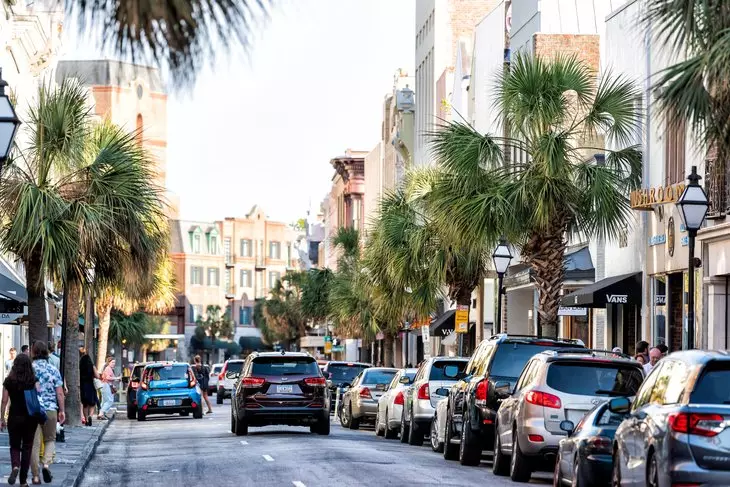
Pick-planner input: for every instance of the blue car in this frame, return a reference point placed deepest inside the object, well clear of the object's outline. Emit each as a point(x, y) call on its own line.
point(168, 388)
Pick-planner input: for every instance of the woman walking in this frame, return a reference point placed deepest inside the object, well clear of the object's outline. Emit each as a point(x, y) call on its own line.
point(107, 394)
point(21, 425)
point(89, 398)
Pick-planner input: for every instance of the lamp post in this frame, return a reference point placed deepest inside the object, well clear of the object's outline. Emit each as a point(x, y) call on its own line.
point(693, 205)
point(9, 123)
point(501, 259)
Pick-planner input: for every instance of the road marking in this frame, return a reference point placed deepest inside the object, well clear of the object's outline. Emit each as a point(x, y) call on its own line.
point(298, 483)
point(244, 442)
point(268, 458)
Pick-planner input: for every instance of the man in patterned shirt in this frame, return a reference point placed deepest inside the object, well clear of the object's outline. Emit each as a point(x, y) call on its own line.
point(52, 397)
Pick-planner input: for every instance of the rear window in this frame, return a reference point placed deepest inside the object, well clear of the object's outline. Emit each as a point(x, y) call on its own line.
point(284, 366)
point(217, 369)
point(137, 372)
point(378, 376)
point(712, 386)
point(593, 379)
point(510, 358)
point(447, 370)
point(169, 372)
point(234, 367)
point(343, 372)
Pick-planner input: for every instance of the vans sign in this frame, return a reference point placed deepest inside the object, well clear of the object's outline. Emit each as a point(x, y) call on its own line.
point(617, 298)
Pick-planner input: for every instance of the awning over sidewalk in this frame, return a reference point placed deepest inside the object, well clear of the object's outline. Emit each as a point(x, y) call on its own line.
point(443, 325)
point(623, 289)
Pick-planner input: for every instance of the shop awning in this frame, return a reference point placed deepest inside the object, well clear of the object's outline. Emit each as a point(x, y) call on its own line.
point(623, 289)
point(443, 325)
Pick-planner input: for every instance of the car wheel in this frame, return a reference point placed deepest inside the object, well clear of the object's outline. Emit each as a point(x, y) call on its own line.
point(470, 451)
point(241, 427)
point(344, 420)
point(652, 473)
point(519, 470)
point(197, 412)
point(390, 434)
point(219, 398)
point(415, 433)
point(184, 413)
point(558, 475)
point(378, 430)
point(451, 451)
point(436, 445)
point(403, 426)
point(131, 412)
point(354, 423)
point(616, 471)
point(578, 480)
point(233, 423)
point(500, 464)
point(141, 416)
point(322, 427)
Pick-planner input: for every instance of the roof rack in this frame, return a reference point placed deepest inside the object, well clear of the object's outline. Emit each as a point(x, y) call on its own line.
point(587, 351)
point(507, 336)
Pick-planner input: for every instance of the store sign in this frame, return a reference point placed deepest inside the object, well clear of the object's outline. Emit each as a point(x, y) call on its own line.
point(657, 240)
point(9, 317)
point(567, 311)
point(461, 319)
point(327, 344)
point(660, 300)
point(684, 241)
point(617, 298)
point(646, 199)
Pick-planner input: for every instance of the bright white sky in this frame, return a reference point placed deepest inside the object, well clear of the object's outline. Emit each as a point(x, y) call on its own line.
point(261, 130)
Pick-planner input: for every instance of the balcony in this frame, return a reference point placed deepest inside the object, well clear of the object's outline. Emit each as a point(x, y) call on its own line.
point(260, 262)
point(716, 179)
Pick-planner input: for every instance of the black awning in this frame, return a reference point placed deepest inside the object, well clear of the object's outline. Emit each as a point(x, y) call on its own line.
point(623, 289)
point(443, 325)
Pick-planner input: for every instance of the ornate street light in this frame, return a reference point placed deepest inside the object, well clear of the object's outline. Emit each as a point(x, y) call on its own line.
point(693, 206)
point(501, 259)
point(9, 123)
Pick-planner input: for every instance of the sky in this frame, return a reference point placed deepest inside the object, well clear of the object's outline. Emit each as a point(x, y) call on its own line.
point(261, 128)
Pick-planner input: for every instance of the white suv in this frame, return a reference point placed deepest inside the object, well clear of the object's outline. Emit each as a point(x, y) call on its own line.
point(227, 378)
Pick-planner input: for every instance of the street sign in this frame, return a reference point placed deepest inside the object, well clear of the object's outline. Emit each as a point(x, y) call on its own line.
point(425, 330)
point(461, 319)
point(327, 344)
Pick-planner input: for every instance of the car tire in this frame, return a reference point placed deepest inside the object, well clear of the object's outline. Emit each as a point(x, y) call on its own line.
point(390, 433)
point(184, 413)
point(519, 469)
point(436, 445)
point(415, 433)
point(241, 427)
point(322, 427)
point(403, 427)
point(652, 471)
point(500, 464)
point(354, 422)
point(141, 416)
point(578, 477)
point(219, 398)
point(378, 430)
point(233, 423)
point(451, 451)
point(198, 412)
point(470, 450)
point(558, 475)
point(616, 470)
point(131, 412)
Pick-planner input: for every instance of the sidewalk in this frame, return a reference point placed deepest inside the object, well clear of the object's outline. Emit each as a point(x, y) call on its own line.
point(71, 456)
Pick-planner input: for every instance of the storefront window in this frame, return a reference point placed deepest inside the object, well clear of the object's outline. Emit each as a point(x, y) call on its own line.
point(659, 302)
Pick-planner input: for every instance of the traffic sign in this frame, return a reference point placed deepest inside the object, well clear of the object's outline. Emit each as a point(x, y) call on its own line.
point(327, 344)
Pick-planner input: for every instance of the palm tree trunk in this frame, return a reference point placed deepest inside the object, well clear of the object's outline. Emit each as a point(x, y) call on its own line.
point(89, 320)
point(35, 285)
point(71, 355)
point(388, 354)
point(104, 312)
point(545, 255)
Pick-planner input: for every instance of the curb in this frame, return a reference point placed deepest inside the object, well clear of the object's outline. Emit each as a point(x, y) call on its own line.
point(74, 476)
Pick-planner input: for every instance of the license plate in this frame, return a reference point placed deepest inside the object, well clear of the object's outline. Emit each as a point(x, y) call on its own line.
point(380, 387)
point(169, 402)
point(287, 389)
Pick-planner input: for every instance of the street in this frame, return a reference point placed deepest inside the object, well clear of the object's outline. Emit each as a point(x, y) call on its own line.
point(179, 451)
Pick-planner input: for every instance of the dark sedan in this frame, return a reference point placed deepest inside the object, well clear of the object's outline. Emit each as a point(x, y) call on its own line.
point(584, 457)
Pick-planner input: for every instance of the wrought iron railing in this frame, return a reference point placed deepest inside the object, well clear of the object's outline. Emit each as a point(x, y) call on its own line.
point(716, 179)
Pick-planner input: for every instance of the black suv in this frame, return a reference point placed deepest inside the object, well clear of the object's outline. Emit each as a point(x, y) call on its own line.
point(341, 374)
point(473, 402)
point(280, 388)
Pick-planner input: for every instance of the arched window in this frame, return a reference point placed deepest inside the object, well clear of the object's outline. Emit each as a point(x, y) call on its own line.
point(139, 129)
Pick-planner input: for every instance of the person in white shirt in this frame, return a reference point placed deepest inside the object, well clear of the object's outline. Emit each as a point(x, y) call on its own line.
point(9, 362)
point(654, 356)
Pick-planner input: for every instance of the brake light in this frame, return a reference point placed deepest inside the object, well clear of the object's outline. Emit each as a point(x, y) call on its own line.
point(599, 444)
point(700, 424)
point(543, 343)
point(315, 381)
point(540, 398)
point(365, 393)
point(423, 392)
point(480, 394)
point(194, 404)
point(399, 398)
point(535, 438)
point(252, 382)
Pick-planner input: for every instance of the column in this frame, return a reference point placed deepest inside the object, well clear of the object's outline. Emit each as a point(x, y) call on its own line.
point(717, 321)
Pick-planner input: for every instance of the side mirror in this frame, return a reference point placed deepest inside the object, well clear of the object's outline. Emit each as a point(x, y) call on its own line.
point(567, 426)
point(502, 389)
point(329, 383)
point(233, 375)
point(619, 405)
point(442, 391)
point(405, 380)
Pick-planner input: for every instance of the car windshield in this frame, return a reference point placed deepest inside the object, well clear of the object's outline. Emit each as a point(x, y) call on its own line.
point(216, 369)
point(378, 376)
point(343, 372)
point(234, 367)
point(510, 358)
point(447, 370)
point(711, 388)
point(284, 366)
point(169, 372)
point(588, 378)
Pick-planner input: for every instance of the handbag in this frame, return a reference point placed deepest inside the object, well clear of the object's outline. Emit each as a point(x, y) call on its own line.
point(97, 384)
point(34, 405)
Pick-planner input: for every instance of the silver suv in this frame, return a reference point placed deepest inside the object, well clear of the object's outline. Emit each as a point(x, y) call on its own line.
point(431, 384)
point(555, 385)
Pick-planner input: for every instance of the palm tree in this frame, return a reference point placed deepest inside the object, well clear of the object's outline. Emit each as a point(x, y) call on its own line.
point(558, 117)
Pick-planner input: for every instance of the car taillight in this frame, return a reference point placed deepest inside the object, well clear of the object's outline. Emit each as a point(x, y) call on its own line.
point(143, 385)
point(315, 381)
point(599, 444)
point(220, 376)
point(365, 393)
point(480, 394)
point(251, 382)
point(399, 398)
point(701, 424)
point(423, 392)
point(540, 398)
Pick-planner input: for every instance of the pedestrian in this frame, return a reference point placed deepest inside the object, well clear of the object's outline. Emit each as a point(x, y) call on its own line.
point(663, 348)
point(52, 398)
point(641, 359)
point(202, 374)
point(107, 389)
point(642, 348)
point(20, 424)
point(9, 362)
point(617, 351)
point(53, 359)
point(24, 349)
point(89, 397)
point(654, 356)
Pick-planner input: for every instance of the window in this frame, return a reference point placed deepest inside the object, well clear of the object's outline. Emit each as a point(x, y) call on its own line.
point(169, 372)
point(227, 282)
point(510, 358)
point(196, 275)
point(343, 373)
point(244, 315)
point(213, 244)
point(678, 376)
point(592, 379)
point(711, 387)
point(378, 376)
point(246, 247)
point(196, 243)
point(447, 370)
point(213, 276)
point(282, 366)
point(196, 312)
point(644, 393)
point(674, 149)
point(527, 374)
point(245, 278)
point(274, 250)
point(273, 278)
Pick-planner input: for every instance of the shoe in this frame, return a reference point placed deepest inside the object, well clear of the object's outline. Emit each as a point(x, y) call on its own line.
point(13, 475)
point(47, 476)
point(35, 481)
point(88, 421)
point(209, 412)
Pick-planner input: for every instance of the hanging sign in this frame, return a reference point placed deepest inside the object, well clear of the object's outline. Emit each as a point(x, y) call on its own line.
point(647, 198)
point(461, 319)
point(425, 333)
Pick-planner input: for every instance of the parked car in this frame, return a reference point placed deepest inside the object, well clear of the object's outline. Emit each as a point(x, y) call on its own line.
point(227, 377)
point(215, 370)
point(677, 431)
point(132, 387)
point(280, 388)
point(584, 456)
point(360, 400)
point(341, 374)
point(435, 375)
point(390, 404)
point(438, 426)
point(555, 385)
point(168, 388)
point(473, 401)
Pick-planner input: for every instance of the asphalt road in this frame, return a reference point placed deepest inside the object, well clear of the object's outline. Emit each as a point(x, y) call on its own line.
point(182, 451)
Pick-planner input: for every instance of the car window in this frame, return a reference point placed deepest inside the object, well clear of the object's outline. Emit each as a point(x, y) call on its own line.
point(589, 378)
point(471, 365)
point(678, 373)
point(234, 367)
point(643, 395)
point(447, 370)
point(712, 385)
point(284, 366)
point(510, 358)
point(607, 418)
point(169, 372)
point(662, 382)
point(341, 373)
point(483, 365)
point(526, 375)
point(378, 376)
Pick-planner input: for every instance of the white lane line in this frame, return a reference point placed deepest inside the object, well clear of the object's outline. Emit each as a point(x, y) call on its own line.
point(268, 458)
point(243, 442)
point(298, 483)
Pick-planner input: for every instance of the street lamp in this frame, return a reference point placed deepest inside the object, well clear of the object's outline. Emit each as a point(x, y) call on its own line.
point(693, 205)
point(501, 259)
point(8, 122)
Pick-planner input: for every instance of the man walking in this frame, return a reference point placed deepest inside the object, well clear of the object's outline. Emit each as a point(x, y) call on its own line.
point(53, 359)
point(52, 397)
point(654, 356)
point(9, 362)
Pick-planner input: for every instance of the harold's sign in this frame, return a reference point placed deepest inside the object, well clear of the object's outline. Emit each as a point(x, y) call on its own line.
point(647, 198)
